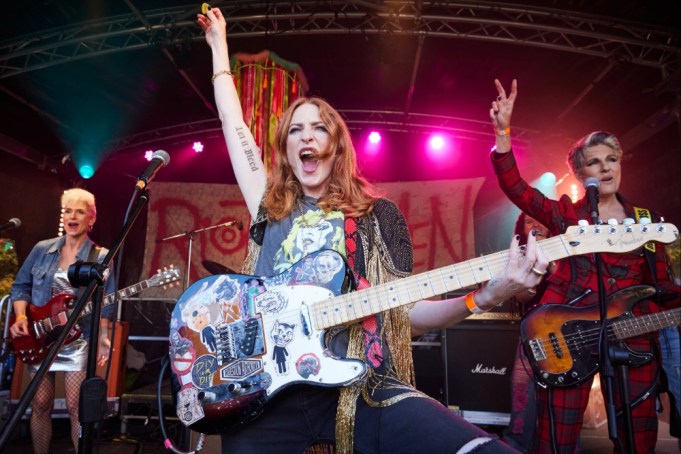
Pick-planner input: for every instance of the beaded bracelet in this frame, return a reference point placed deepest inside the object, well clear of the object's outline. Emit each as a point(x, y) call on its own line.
point(220, 73)
point(470, 304)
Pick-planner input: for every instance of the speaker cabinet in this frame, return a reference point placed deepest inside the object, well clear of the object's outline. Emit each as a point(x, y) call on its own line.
point(479, 357)
point(429, 366)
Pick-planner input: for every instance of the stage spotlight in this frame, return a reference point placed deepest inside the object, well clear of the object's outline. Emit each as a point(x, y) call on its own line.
point(547, 179)
point(197, 147)
point(437, 142)
point(148, 155)
point(86, 171)
point(374, 137)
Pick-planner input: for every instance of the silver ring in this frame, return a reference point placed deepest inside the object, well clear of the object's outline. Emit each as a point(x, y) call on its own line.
point(537, 272)
point(499, 98)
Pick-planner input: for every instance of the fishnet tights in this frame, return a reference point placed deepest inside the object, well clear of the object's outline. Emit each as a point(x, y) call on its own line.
point(43, 401)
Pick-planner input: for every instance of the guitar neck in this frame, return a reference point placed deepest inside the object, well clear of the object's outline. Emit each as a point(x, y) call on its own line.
point(112, 297)
point(632, 327)
point(363, 303)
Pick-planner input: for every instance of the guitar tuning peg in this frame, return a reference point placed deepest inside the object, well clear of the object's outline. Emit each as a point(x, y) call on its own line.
point(613, 221)
point(644, 221)
point(628, 221)
point(582, 223)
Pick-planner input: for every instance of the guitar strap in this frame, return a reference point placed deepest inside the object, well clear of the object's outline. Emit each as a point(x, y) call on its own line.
point(648, 248)
point(370, 329)
point(649, 253)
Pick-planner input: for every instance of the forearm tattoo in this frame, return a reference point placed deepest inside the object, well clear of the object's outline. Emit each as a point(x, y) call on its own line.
point(493, 283)
point(248, 151)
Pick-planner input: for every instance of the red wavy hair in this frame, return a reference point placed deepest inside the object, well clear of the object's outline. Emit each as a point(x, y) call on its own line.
point(348, 191)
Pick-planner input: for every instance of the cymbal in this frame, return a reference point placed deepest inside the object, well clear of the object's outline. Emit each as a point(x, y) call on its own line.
point(216, 268)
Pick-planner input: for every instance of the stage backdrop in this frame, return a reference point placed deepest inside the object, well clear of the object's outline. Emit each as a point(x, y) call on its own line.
point(439, 215)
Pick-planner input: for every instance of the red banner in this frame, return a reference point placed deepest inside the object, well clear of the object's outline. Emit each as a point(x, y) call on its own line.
point(439, 215)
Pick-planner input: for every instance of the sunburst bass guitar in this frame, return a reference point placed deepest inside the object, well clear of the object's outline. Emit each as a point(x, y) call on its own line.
point(238, 340)
point(561, 342)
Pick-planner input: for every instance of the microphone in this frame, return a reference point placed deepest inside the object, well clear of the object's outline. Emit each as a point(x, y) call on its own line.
point(11, 224)
point(591, 185)
point(159, 159)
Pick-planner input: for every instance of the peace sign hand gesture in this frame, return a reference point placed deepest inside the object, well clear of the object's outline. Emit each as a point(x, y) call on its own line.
point(502, 107)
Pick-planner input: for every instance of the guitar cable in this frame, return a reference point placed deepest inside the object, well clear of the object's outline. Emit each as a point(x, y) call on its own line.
point(167, 442)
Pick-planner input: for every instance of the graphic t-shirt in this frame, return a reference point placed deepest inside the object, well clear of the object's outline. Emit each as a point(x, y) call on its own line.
point(307, 229)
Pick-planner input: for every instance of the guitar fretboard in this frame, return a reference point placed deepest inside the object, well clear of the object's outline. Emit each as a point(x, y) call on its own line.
point(111, 298)
point(632, 327)
point(363, 303)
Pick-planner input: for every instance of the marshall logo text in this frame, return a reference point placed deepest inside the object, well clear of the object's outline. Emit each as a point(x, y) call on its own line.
point(480, 369)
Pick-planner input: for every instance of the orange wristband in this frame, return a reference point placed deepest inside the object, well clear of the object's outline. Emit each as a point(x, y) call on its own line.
point(470, 304)
point(503, 132)
point(22, 316)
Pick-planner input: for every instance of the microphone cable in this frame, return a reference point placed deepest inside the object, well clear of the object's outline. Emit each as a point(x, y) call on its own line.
point(167, 442)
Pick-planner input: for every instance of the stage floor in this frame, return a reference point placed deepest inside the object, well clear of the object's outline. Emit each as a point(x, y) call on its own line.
point(140, 439)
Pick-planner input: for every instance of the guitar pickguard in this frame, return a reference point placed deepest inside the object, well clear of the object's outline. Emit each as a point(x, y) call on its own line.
point(237, 340)
point(562, 342)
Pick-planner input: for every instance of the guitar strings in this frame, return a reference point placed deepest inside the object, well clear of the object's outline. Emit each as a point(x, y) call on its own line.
point(590, 337)
point(328, 312)
point(331, 312)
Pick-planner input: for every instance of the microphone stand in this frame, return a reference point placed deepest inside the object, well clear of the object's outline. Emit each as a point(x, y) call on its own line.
point(611, 355)
point(190, 235)
point(88, 385)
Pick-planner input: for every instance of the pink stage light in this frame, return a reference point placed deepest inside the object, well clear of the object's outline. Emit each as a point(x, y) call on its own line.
point(374, 137)
point(148, 154)
point(198, 147)
point(437, 142)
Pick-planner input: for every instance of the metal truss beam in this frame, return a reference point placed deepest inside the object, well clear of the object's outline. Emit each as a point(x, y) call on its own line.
point(568, 31)
point(357, 120)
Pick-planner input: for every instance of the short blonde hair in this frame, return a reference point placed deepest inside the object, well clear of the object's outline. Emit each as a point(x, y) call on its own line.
point(79, 195)
point(575, 157)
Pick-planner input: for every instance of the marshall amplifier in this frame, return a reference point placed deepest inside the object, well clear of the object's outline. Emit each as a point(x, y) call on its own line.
point(479, 357)
point(429, 364)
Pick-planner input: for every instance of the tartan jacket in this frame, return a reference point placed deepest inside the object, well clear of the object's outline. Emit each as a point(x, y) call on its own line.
point(576, 275)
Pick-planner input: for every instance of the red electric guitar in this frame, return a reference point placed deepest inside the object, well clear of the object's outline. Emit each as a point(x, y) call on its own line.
point(45, 322)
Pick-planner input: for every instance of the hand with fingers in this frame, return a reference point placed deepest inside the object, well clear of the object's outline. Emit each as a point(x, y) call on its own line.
point(213, 25)
point(524, 270)
point(526, 266)
point(500, 113)
point(103, 349)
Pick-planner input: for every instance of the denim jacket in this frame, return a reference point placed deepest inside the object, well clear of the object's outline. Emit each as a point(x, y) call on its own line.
point(33, 281)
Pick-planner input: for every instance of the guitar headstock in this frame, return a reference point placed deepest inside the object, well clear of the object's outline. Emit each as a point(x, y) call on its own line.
point(166, 277)
point(617, 238)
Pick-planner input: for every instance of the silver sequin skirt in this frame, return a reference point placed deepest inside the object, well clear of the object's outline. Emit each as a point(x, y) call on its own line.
point(71, 358)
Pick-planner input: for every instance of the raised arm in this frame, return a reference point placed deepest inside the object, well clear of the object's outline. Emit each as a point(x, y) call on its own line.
point(500, 113)
point(244, 154)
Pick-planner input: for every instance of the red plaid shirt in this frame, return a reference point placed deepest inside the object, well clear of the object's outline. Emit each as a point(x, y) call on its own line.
point(577, 274)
